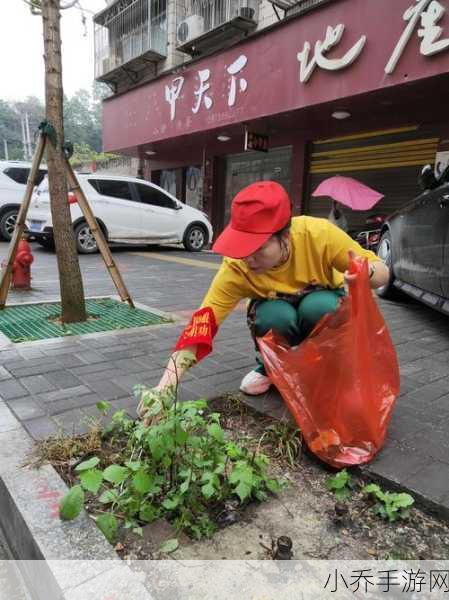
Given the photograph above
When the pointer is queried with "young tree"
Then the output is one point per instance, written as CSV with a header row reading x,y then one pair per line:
x,y
70,281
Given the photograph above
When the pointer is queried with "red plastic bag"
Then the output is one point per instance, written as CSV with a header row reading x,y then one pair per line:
x,y
342,381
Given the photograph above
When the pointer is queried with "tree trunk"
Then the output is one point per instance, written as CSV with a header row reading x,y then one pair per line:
x,y
70,281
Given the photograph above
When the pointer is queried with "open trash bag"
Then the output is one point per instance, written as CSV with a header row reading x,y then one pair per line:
x,y
342,381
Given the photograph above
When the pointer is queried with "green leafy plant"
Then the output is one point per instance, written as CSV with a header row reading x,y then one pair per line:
x,y
341,485
182,468
389,505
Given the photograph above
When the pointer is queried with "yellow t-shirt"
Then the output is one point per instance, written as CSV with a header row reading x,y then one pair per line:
x,y
319,256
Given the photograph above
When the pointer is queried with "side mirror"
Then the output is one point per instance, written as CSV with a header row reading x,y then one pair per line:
x,y
179,206
427,179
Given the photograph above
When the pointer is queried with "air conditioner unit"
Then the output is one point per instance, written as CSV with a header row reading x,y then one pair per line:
x,y
190,28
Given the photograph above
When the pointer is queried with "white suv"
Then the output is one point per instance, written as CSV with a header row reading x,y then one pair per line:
x,y
128,210
13,179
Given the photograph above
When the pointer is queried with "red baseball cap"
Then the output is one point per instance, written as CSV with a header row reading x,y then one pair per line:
x,y
257,211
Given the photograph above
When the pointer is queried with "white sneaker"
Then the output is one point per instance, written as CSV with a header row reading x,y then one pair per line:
x,y
254,384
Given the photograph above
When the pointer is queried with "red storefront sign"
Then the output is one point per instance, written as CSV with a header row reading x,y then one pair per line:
x,y
343,49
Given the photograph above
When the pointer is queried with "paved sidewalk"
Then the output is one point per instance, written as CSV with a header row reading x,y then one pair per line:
x,y
56,384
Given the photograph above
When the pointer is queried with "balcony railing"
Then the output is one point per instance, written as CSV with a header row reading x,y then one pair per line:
x,y
128,30
198,18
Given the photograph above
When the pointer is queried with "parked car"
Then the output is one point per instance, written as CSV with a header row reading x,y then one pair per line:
x,y
415,244
128,210
13,179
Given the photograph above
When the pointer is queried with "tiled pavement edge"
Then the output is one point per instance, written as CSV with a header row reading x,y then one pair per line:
x,y
57,559
56,384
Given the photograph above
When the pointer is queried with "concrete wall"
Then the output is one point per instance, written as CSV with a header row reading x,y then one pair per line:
x,y
123,165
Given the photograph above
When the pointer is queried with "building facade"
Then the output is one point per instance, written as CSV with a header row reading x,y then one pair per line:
x,y
350,87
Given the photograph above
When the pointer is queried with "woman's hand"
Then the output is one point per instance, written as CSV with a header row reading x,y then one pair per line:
x,y
154,402
379,273
350,277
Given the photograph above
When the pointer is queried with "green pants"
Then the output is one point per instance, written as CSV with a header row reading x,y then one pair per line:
x,y
294,321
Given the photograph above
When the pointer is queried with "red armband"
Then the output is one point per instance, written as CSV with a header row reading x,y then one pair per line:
x,y
200,332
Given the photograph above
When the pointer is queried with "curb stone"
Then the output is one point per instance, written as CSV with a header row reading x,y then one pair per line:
x,y
58,560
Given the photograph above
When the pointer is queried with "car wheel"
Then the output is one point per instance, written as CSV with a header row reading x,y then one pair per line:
x,y
7,223
85,241
384,252
195,238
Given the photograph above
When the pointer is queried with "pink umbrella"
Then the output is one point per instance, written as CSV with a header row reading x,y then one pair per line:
x,y
348,191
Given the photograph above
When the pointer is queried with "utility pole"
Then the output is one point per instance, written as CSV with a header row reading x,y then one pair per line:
x,y
27,130
5,143
24,140
71,284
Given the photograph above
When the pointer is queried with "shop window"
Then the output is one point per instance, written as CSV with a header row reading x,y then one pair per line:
x,y
194,187
168,181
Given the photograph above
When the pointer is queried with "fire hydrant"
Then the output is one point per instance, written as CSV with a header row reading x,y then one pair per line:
x,y
21,269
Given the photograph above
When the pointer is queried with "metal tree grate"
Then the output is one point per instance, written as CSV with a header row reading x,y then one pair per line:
x,y
27,322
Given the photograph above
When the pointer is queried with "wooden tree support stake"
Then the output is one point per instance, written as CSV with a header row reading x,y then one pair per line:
x,y
98,235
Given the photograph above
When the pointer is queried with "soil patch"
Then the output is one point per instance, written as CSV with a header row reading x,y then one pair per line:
x,y
306,512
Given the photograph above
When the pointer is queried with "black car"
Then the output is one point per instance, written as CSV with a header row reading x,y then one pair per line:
x,y
415,244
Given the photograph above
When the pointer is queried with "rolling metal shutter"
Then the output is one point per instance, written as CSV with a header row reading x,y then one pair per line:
x,y
388,161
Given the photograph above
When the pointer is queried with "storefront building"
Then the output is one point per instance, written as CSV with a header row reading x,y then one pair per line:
x,y
353,87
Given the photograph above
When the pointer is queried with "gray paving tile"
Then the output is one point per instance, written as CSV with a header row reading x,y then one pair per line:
x,y
79,390
90,357
11,388
128,365
68,361
37,384
30,352
62,379
396,464
8,355
84,370
4,374
127,382
41,428
106,375
428,393
26,408
71,402
28,371
106,390
72,422
432,481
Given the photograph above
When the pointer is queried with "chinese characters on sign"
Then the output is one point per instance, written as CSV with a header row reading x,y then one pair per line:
x,y
172,94
233,69
406,581
428,13
173,91
333,37
202,89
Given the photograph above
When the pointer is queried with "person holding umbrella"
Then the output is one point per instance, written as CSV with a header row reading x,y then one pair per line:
x,y
291,270
337,217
